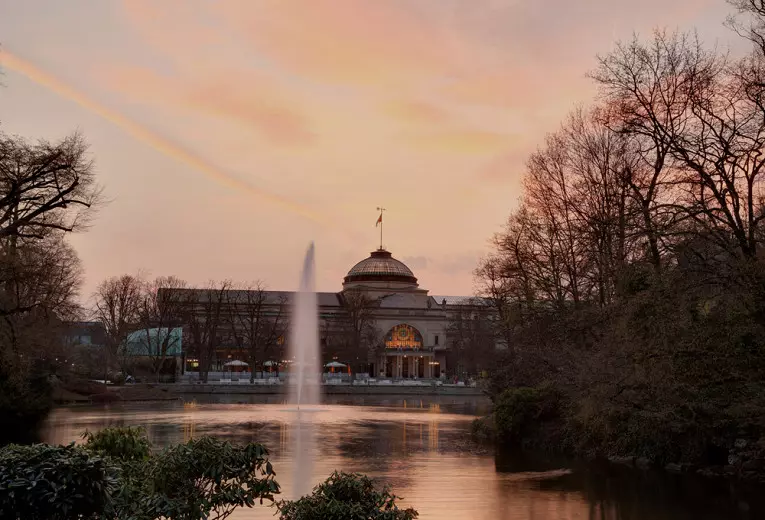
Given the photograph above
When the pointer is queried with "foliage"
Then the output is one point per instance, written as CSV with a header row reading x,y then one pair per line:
x,y
47,190
25,399
204,478
201,479
122,443
115,475
346,496
631,278
521,413
55,483
483,428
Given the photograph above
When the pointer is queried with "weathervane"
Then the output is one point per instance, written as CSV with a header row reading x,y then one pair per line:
x,y
379,223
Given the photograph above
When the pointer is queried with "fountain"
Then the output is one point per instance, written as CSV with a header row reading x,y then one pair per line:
x,y
304,381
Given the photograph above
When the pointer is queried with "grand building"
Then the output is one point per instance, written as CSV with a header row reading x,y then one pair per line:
x,y
411,327
415,324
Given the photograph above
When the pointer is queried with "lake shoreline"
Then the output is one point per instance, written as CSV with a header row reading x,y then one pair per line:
x,y
248,389
173,391
744,464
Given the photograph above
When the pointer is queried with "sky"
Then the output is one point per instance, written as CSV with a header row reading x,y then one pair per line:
x,y
229,134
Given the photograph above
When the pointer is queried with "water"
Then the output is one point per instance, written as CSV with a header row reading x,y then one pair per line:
x,y
305,390
421,448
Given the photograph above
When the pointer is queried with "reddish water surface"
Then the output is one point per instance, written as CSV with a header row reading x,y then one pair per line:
x,y
422,449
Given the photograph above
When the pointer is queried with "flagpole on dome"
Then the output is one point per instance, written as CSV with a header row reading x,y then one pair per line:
x,y
380,223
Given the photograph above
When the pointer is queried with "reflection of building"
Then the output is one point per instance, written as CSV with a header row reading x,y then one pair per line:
x,y
411,326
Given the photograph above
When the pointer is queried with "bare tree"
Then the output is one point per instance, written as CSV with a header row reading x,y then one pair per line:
x,y
471,337
752,27
44,186
159,317
703,113
206,313
354,336
46,191
259,321
117,302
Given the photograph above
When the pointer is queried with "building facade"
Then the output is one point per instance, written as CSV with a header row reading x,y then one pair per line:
x,y
381,322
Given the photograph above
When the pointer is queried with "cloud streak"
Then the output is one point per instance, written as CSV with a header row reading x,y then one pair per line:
x,y
159,143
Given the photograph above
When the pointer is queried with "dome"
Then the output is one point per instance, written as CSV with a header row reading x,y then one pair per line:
x,y
380,267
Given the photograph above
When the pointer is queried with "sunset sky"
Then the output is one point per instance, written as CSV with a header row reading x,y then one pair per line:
x,y
229,134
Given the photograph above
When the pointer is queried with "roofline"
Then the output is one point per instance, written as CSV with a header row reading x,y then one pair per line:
x,y
374,277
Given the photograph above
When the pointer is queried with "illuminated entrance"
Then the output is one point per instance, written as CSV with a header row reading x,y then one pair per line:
x,y
406,356
403,337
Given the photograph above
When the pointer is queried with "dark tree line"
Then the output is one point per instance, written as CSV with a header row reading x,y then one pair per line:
x,y
47,190
631,275
217,318
244,320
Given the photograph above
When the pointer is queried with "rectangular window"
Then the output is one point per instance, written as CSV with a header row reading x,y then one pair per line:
x,y
436,339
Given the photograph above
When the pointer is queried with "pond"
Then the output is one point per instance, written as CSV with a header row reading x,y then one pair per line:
x,y
422,449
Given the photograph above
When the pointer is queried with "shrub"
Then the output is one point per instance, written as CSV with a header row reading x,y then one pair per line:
x,y
123,444
55,482
114,475
483,428
346,496
524,414
205,476
25,399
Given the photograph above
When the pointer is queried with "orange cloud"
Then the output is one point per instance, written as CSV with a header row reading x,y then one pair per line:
x,y
464,141
417,112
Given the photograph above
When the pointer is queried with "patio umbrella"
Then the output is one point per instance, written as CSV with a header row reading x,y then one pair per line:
x,y
270,364
236,363
334,364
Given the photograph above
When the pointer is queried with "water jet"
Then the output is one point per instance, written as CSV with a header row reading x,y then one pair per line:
x,y
305,378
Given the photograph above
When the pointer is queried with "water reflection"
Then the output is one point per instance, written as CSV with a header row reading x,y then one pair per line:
x,y
421,448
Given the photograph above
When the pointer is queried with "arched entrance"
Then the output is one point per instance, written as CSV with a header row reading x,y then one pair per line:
x,y
406,355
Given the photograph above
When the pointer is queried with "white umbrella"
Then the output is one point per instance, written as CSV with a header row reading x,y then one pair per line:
x,y
236,363
334,364
270,364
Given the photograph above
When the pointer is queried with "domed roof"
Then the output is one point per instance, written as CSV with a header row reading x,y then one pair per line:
x,y
380,267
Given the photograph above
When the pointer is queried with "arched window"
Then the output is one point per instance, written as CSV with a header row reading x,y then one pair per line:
x,y
403,336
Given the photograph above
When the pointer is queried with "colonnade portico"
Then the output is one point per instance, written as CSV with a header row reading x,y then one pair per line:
x,y
408,365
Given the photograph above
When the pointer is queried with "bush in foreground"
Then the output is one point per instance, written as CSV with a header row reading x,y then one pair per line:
x,y
114,475
56,483
346,496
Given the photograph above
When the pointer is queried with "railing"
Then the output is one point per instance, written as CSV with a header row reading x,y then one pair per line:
x,y
327,379
409,349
